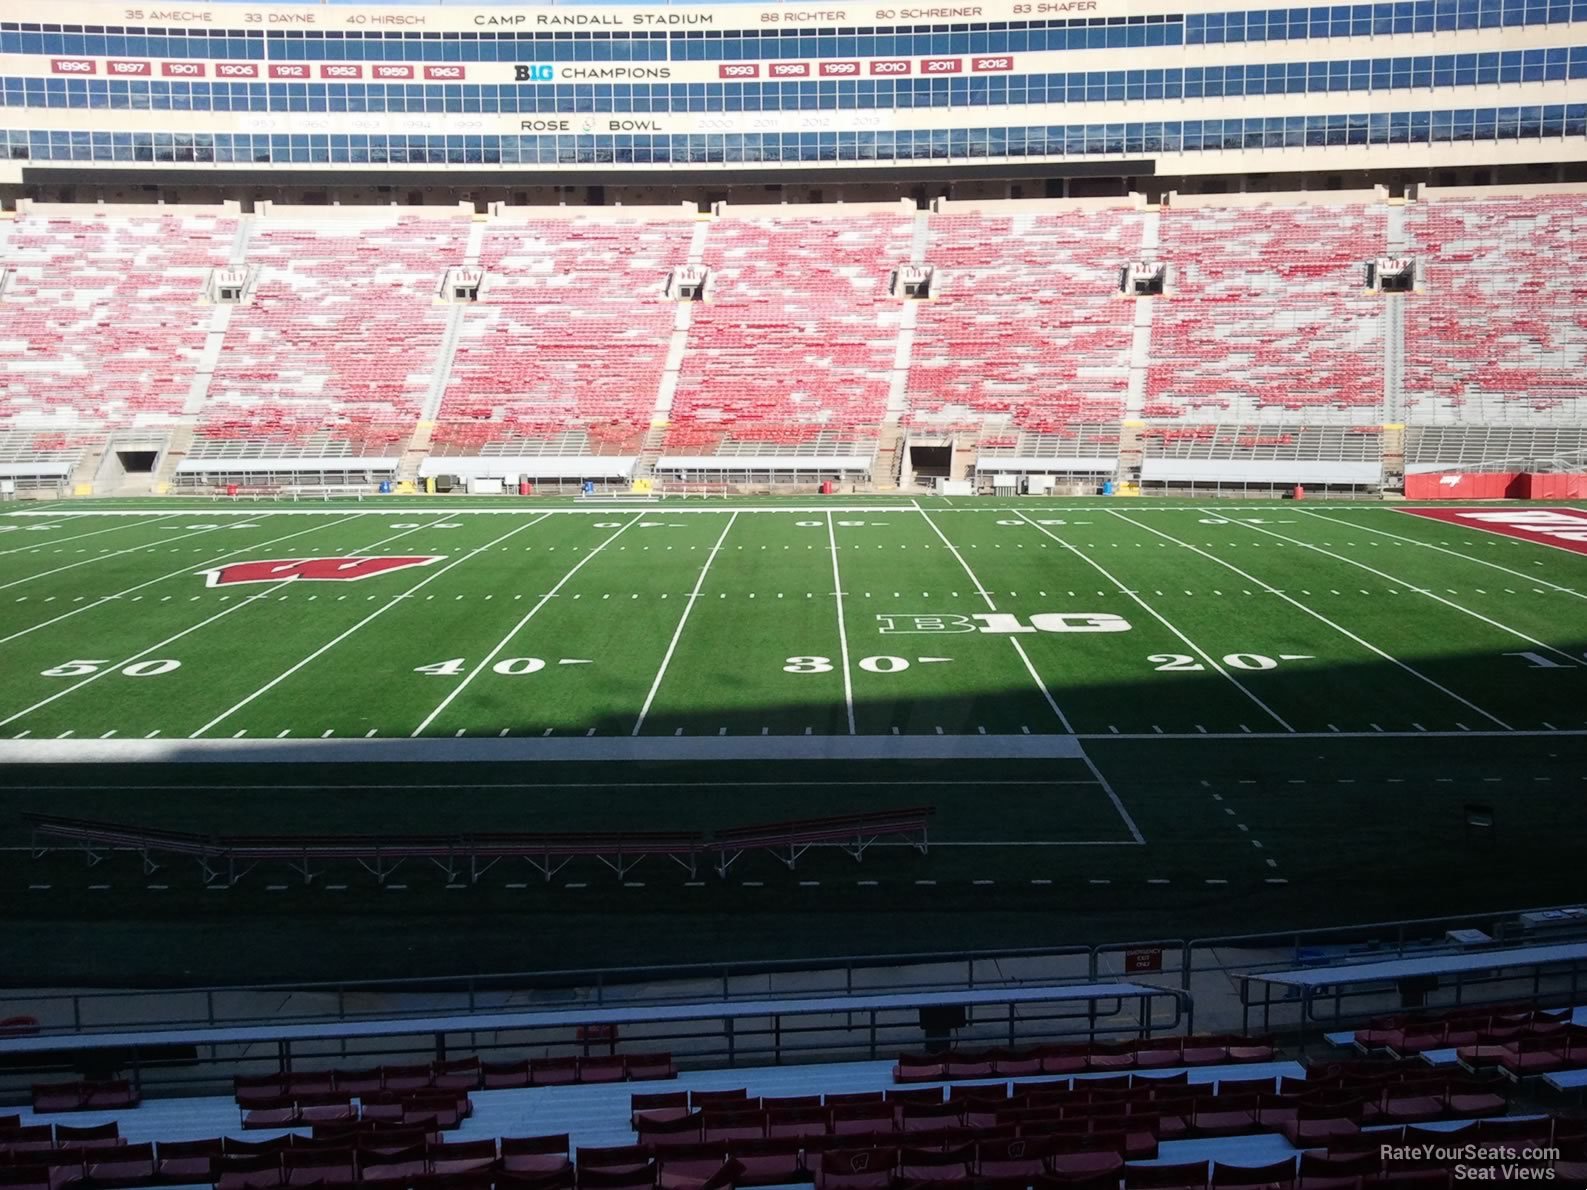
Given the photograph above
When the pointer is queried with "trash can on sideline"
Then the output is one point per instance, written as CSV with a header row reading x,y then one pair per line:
x,y
231,489
525,488
1300,492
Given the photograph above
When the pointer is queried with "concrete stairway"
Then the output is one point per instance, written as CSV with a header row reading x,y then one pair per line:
x,y
177,447
888,459
414,452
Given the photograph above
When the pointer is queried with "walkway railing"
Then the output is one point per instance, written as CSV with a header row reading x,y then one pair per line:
x,y
1206,966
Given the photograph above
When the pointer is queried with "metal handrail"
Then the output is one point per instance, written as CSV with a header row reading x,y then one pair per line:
x,y
606,985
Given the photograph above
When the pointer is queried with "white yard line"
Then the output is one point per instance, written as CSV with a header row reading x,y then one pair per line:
x,y
677,634
843,632
980,589
133,549
40,543
1316,615
1531,578
190,568
516,507
1151,611
1030,668
1410,586
248,601
375,615
529,615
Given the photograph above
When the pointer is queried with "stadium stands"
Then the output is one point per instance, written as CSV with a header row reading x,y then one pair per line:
x,y
1275,453
1267,1124
341,336
1026,327
1500,447
1497,336
1406,1034
1266,313
798,335
569,336
1267,360
40,459
101,327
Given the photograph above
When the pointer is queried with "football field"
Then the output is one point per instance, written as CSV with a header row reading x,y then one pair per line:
x,y
894,619
1106,701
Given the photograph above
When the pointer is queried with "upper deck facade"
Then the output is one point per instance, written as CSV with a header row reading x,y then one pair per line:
x,y
1126,87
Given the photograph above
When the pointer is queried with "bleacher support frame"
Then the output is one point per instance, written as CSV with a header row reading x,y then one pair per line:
x,y
225,860
854,834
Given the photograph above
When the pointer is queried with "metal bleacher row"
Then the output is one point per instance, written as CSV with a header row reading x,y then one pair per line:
x,y
1266,346
224,860
847,1126
1094,1085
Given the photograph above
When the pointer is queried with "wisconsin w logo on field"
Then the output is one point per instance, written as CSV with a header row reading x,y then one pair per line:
x,y
319,570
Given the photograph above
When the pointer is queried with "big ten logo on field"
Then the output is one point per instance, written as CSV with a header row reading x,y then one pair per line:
x,y
541,73
999,623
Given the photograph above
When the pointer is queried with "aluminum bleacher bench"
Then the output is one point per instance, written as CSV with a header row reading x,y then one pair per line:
x,y
226,859
97,838
853,833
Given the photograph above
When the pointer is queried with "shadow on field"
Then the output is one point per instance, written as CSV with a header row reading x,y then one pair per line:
x,y
1350,828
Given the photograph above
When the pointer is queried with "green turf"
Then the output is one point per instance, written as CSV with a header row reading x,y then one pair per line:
x,y
1289,720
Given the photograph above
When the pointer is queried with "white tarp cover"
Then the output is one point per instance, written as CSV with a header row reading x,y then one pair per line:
x,y
1089,465
1259,471
232,466
764,463
532,466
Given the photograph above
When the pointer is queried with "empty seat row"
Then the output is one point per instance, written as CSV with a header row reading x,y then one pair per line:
x,y
467,1074
430,1110
84,1095
1143,1054
294,1161
1415,1033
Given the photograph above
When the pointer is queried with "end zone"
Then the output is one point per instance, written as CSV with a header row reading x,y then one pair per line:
x,y
1561,528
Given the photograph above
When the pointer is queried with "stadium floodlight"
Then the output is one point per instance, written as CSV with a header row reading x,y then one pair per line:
x,y
228,286
913,283
688,283
462,283
1391,274
1143,278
